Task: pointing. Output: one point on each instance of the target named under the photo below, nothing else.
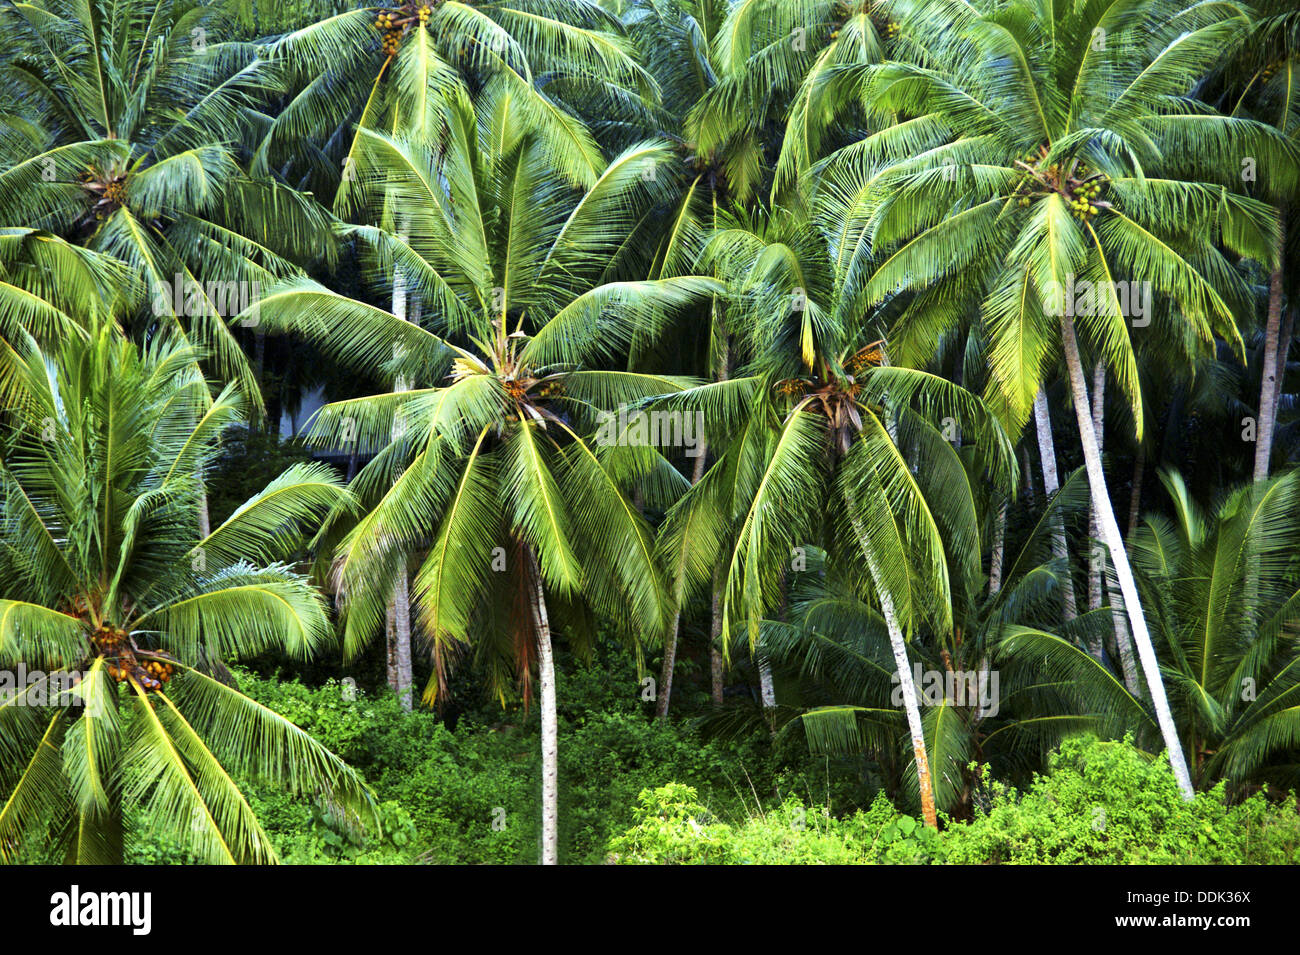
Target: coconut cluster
(1075, 183)
(394, 24)
(122, 664)
(1083, 202)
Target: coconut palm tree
(496, 471)
(1260, 83)
(1224, 589)
(396, 68)
(113, 605)
(1019, 682)
(389, 67)
(814, 436)
(131, 118)
(1074, 155)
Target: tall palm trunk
(716, 666)
(1123, 641)
(1096, 562)
(390, 644)
(550, 736)
(766, 689)
(205, 522)
(1269, 386)
(1135, 496)
(1028, 472)
(670, 641)
(1052, 484)
(911, 705)
(1097, 578)
(999, 549)
(720, 352)
(898, 643)
(400, 636)
(1283, 352)
(1110, 535)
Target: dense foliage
(739, 431)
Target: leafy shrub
(1108, 802)
(673, 827)
(1100, 802)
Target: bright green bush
(1100, 802)
(1108, 802)
(673, 828)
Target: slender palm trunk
(720, 355)
(1123, 641)
(1052, 484)
(1269, 387)
(400, 647)
(1283, 352)
(1135, 496)
(1096, 555)
(550, 735)
(1096, 562)
(390, 644)
(670, 641)
(999, 549)
(402, 638)
(1028, 472)
(259, 372)
(766, 690)
(1097, 577)
(716, 666)
(205, 522)
(1123, 572)
(911, 706)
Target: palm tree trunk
(205, 522)
(390, 645)
(1283, 352)
(550, 735)
(766, 691)
(999, 548)
(259, 372)
(716, 666)
(1097, 577)
(1123, 572)
(1028, 472)
(1123, 641)
(402, 638)
(1269, 386)
(400, 654)
(670, 641)
(1052, 484)
(1096, 561)
(1135, 496)
(911, 706)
